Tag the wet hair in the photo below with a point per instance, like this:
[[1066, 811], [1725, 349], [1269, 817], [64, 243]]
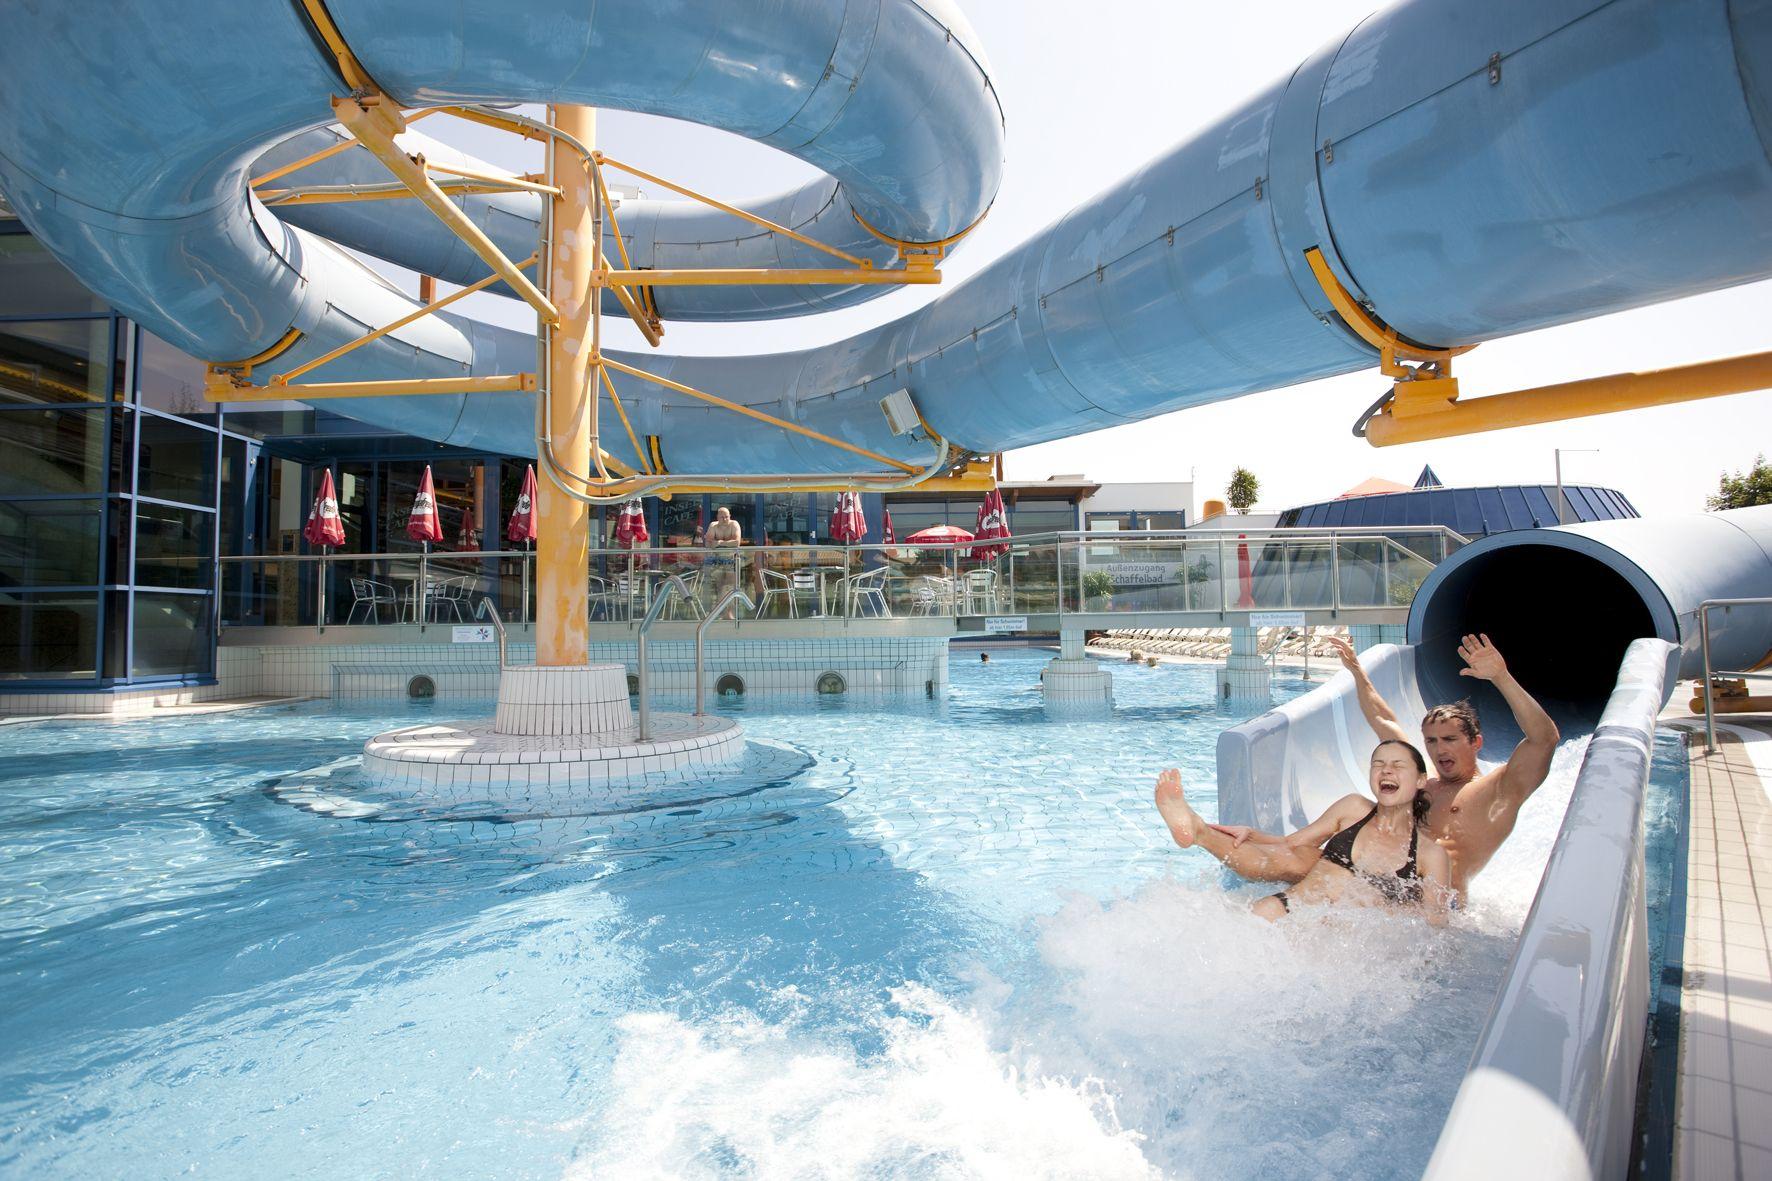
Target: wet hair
[[1420, 805], [1460, 713]]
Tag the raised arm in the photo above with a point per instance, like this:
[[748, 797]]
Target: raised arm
[[1379, 714], [1531, 760]]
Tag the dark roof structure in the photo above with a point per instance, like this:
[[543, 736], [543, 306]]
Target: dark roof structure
[[1474, 512], [1427, 478]]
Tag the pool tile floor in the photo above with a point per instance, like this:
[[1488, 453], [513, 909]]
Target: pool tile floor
[[1724, 1121]]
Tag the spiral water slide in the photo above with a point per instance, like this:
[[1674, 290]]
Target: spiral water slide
[[1464, 171]]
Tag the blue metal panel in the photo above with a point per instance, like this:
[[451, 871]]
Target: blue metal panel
[[1462, 209]]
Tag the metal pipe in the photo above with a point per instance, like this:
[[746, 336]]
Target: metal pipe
[[672, 584], [1710, 718], [485, 609], [320, 614], [736, 594], [1403, 422]]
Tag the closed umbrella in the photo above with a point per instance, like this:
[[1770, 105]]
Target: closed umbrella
[[324, 527], [422, 523], [886, 537], [630, 525], [848, 525], [521, 526], [993, 524]]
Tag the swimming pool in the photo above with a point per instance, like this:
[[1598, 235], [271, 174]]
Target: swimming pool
[[943, 939]]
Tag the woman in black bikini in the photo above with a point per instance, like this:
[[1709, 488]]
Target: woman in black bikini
[[1374, 853]]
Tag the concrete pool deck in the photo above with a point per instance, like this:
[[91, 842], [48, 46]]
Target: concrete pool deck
[[1723, 1120]]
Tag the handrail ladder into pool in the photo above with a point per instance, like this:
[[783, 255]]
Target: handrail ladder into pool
[[484, 608], [735, 595], [1704, 610], [673, 585]]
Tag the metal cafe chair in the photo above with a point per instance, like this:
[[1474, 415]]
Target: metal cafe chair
[[867, 587], [981, 592], [368, 596]]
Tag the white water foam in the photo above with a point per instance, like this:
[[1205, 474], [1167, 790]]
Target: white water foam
[[1165, 1033], [740, 1097]]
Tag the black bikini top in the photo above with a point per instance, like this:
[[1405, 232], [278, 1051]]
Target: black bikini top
[[1402, 886]]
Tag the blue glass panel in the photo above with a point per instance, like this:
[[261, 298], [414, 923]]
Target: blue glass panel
[[1513, 502], [1490, 509]]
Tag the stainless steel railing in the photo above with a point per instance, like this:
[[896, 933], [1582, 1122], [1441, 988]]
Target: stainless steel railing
[[735, 595], [1704, 610], [673, 585]]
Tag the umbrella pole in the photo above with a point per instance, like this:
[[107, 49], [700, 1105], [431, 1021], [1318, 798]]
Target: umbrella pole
[[422, 593], [320, 611], [528, 556]]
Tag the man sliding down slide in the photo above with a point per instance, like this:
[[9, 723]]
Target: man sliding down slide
[[1470, 814]]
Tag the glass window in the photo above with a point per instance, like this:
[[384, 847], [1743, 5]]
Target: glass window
[[55, 361], [910, 516], [120, 535], [49, 543], [353, 505], [680, 520], [175, 461], [49, 637], [33, 283], [1041, 516], [172, 634], [49, 452], [234, 485], [787, 517], [171, 380], [261, 420], [458, 485], [1162, 520], [172, 545]]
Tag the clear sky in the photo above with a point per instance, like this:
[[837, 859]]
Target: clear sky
[[1092, 92]]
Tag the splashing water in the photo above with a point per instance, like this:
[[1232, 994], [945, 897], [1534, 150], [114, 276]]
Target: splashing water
[[938, 940]]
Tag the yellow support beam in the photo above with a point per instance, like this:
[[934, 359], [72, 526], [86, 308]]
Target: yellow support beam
[[621, 411], [738, 408], [403, 321], [735, 211], [375, 121], [715, 276], [278, 198], [499, 180], [1416, 416], [343, 145], [220, 389]]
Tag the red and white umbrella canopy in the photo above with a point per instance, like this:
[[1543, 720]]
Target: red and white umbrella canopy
[[422, 523], [630, 526], [886, 527], [324, 526], [993, 525], [521, 526], [848, 525], [939, 535]]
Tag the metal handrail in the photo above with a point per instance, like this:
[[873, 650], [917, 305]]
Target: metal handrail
[[485, 609], [701, 629], [672, 584], [1704, 609]]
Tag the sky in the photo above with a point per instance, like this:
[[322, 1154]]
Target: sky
[[1091, 94]]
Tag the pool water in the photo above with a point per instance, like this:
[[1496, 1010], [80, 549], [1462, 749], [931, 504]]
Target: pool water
[[941, 939]]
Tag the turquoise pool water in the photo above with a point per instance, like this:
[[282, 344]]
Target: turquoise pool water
[[946, 939]]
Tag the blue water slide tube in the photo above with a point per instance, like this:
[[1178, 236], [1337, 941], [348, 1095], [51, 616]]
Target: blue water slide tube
[[1470, 171]]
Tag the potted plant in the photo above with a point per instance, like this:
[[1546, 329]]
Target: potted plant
[[1098, 584]]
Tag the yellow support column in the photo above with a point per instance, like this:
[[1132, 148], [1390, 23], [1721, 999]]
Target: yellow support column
[[562, 583]]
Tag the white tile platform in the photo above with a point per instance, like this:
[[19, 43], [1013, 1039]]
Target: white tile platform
[[443, 756], [1076, 682]]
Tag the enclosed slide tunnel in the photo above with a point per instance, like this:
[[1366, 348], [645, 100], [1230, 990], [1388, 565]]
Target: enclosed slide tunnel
[[1468, 171]]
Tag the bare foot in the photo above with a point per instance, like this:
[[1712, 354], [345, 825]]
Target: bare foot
[[1184, 824]]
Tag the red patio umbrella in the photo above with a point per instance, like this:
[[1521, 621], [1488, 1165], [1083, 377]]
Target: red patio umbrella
[[993, 524], [630, 525], [886, 537], [1245, 576], [324, 528], [848, 525], [468, 536], [521, 526], [939, 535], [422, 523]]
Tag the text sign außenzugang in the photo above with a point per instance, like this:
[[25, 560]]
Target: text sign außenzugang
[[1005, 624], [1276, 619], [480, 634]]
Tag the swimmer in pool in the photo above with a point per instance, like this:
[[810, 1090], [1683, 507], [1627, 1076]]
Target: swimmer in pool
[[1373, 854], [1471, 811]]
